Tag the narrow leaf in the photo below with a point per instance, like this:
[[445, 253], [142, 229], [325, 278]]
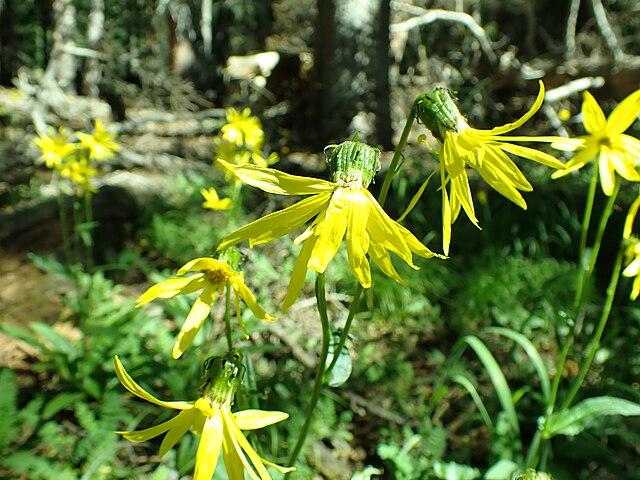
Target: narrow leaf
[[575, 419]]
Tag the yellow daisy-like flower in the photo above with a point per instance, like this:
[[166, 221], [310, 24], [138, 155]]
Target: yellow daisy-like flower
[[343, 208], [463, 146], [55, 147], [606, 141], [632, 253], [213, 201], [243, 129], [220, 430], [213, 277], [100, 143], [80, 172]]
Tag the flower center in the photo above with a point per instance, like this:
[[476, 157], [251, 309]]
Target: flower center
[[217, 276]]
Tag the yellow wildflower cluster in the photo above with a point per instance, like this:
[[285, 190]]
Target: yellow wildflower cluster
[[242, 140], [72, 155]]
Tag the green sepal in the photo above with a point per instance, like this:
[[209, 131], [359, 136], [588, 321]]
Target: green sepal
[[437, 111], [232, 256], [222, 376], [353, 162]]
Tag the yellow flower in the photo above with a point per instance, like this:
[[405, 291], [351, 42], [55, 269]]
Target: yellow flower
[[462, 146], [606, 141], [55, 147], [243, 129], [80, 172], [210, 417], [212, 200], [632, 252], [214, 277], [342, 208], [100, 143]]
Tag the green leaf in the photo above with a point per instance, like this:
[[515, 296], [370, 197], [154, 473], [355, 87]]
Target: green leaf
[[466, 383], [60, 402], [575, 419], [503, 469], [455, 471], [21, 334], [9, 431], [341, 371], [497, 379], [54, 341], [533, 354]]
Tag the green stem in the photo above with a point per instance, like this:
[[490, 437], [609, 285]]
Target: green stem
[[395, 161], [597, 336], [64, 227], [227, 316], [586, 220], [345, 331], [608, 210], [88, 216], [319, 380]]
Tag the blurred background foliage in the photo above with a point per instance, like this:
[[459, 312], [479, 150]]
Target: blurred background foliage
[[166, 70]]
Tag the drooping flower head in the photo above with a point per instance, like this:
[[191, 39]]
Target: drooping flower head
[[342, 208], [100, 143], [213, 277], [605, 141], [462, 147], [210, 417]]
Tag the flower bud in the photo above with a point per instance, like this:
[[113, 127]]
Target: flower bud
[[222, 377], [531, 474], [353, 162], [438, 112]]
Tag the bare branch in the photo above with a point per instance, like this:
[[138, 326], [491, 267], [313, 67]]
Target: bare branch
[[430, 16], [607, 32], [570, 36], [575, 86]]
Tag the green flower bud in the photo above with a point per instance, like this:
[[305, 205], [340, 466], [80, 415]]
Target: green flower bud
[[531, 474], [222, 377], [353, 162], [232, 256], [438, 112]]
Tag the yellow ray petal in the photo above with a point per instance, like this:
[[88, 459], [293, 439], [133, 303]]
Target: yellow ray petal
[[607, 174], [254, 419], [197, 315], [330, 230], [274, 181], [241, 442], [593, 118], [382, 259], [248, 297], [138, 391], [501, 184], [623, 164], [183, 422], [209, 447], [278, 223], [170, 288], [518, 123], [532, 154], [357, 237], [577, 162], [299, 274], [200, 264], [232, 461], [624, 114], [498, 160]]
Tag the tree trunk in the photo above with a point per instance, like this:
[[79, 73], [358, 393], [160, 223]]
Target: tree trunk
[[93, 67], [62, 65], [352, 71], [7, 47]]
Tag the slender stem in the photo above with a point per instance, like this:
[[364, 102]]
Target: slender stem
[[345, 331], [395, 161], [602, 323], [608, 210], [319, 380], [227, 316], [586, 219], [64, 227], [88, 216]]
